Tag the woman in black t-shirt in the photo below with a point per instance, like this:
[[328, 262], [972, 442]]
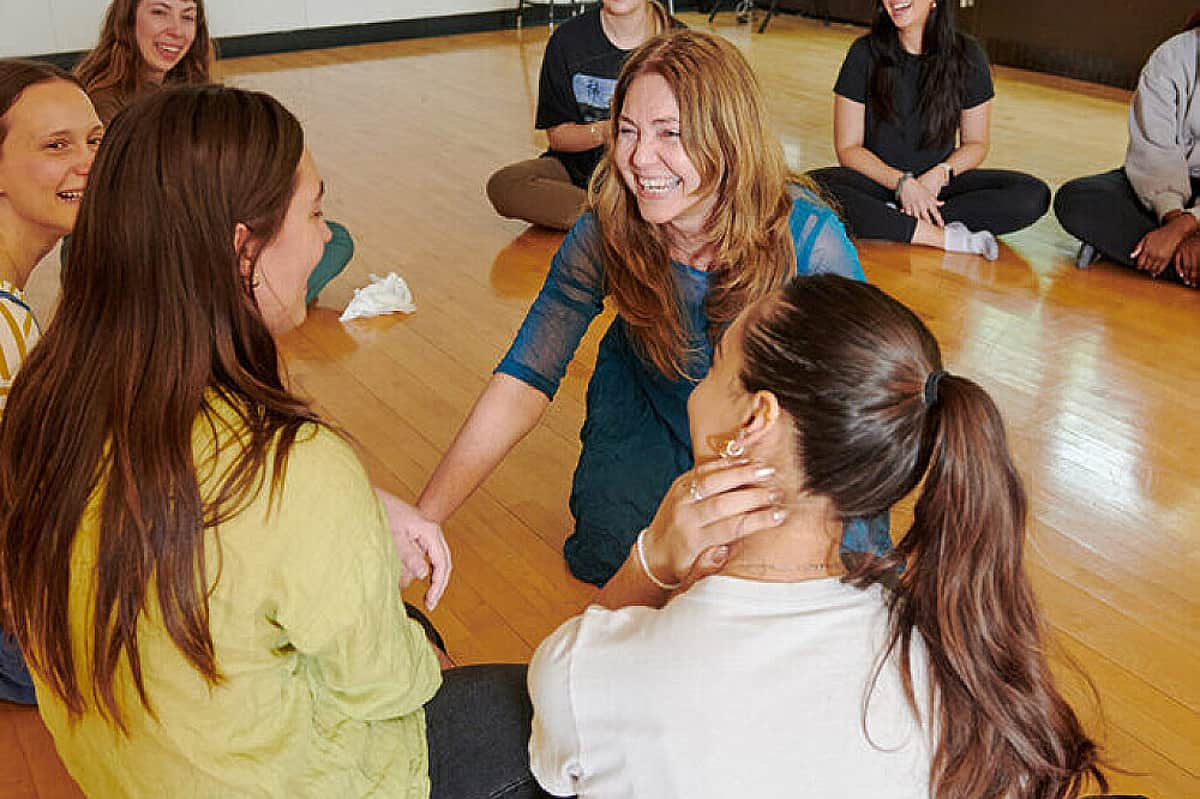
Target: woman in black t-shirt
[[579, 71], [907, 93]]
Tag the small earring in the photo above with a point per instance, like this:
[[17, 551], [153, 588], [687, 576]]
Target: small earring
[[734, 448]]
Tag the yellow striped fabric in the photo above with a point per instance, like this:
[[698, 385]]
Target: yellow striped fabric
[[18, 333]]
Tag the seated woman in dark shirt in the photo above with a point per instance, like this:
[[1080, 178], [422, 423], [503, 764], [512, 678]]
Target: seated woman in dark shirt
[[906, 92], [579, 72]]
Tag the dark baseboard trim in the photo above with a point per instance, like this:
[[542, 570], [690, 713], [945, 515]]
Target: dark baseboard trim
[[366, 33], [373, 32], [1084, 66]]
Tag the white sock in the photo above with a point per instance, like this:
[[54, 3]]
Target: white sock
[[959, 239]]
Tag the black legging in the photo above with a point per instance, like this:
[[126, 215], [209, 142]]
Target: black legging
[[1103, 211], [997, 200], [477, 725]]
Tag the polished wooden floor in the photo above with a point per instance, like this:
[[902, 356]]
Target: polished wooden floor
[[1095, 370]]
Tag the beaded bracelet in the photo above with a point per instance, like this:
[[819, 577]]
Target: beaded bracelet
[[641, 553]]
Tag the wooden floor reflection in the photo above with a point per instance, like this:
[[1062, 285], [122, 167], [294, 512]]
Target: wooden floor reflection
[[1096, 371]]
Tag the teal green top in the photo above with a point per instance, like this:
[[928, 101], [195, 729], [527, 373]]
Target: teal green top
[[324, 676]]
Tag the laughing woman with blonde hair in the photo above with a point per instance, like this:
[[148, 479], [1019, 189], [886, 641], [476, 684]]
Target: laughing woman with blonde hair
[[692, 217]]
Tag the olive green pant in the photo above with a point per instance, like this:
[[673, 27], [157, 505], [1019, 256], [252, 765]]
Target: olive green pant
[[538, 191]]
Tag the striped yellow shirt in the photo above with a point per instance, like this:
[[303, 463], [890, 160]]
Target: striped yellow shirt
[[18, 333]]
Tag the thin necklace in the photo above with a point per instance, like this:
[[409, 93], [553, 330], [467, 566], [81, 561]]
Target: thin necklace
[[814, 570]]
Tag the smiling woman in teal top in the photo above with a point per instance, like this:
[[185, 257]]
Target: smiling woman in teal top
[[692, 217]]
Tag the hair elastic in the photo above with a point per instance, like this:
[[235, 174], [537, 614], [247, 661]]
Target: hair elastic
[[931, 387]]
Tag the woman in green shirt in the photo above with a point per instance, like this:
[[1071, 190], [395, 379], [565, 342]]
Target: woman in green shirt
[[197, 567]]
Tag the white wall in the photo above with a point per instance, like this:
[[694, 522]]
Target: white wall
[[36, 27]]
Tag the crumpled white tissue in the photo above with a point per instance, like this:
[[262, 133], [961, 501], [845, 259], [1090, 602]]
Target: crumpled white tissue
[[382, 296]]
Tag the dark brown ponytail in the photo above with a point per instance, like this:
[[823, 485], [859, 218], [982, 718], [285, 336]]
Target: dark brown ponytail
[[860, 376], [966, 592]]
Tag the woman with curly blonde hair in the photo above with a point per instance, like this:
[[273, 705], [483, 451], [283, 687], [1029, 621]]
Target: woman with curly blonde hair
[[692, 217]]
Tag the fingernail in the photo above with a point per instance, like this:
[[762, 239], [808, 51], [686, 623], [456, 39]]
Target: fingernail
[[764, 471], [720, 554], [776, 496], [778, 515]]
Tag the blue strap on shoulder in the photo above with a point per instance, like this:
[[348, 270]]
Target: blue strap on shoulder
[[15, 300]]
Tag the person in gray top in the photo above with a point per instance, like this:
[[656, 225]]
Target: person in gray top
[[1146, 214]]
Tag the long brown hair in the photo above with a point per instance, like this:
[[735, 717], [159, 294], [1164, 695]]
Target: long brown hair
[[943, 77], [725, 133], [873, 414], [157, 327], [114, 65], [17, 75]]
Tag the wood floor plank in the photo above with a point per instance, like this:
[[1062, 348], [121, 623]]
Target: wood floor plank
[[16, 776], [50, 777]]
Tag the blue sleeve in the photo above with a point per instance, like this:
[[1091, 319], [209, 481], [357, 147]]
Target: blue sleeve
[[570, 299], [822, 246]]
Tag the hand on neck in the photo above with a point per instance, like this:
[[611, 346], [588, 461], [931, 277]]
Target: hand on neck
[[804, 547]]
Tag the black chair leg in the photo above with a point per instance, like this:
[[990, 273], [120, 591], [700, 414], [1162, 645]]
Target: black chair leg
[[767, 18]]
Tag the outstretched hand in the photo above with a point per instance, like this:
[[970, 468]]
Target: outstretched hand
[[421, 545], [705, 511]]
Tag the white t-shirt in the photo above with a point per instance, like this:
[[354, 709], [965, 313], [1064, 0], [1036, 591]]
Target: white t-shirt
[[735, 688]]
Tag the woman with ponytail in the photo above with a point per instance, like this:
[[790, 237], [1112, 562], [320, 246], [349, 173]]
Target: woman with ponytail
[[919, 673], [911, 125]]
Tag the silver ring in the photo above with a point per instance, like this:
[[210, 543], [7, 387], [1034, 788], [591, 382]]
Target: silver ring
[[694, 490]]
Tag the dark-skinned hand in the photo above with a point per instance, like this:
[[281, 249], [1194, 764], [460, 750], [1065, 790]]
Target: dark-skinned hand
[[1157, 249]]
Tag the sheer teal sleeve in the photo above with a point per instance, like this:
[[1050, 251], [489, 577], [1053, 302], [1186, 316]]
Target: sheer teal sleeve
[[570, 299], [822, 246]]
